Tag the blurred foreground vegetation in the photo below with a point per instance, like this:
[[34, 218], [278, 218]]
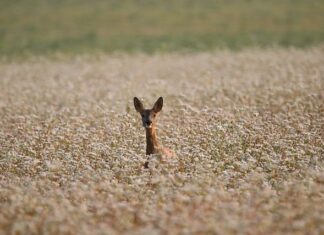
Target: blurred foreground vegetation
[[42, 27], [247, 128]]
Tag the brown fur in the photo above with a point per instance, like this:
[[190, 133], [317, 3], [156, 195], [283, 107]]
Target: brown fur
[[149, 117]]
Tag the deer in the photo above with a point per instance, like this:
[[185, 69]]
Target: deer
[[149, 120]]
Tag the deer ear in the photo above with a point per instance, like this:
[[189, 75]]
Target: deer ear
[[158, 105], [138, 105]]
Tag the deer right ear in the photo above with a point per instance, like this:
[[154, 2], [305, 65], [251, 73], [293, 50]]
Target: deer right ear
[[138, 105], [158, 105]]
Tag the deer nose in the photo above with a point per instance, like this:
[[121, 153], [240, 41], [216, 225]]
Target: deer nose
[[148, 122]]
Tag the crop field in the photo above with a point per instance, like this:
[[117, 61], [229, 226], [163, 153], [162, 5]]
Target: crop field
[[247, 128], [41, 27]]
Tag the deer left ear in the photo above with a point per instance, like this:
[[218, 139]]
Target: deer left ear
[[138, 105], [158, 105]]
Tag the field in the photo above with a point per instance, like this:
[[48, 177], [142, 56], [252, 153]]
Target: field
[[29, 27], [242, 82], [247, 128]]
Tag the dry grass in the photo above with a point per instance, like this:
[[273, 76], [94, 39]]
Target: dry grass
[[247, 128]]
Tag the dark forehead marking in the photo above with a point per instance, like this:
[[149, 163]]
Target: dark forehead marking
[[147, 112]]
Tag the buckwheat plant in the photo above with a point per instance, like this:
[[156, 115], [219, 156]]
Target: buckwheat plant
[[247, 127]]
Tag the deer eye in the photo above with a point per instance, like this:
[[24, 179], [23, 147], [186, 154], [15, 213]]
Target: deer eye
[[154, 115]]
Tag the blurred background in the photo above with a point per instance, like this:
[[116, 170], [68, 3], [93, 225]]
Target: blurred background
[[150, 26]]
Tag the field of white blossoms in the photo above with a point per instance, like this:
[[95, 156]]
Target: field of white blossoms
[[247, 128]]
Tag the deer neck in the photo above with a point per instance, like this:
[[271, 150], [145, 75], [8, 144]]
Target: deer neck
[[152, 145]]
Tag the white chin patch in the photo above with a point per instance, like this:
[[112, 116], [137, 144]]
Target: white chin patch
[[148, 126]]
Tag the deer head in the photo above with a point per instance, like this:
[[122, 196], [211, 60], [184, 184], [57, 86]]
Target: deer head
[[148, 115]]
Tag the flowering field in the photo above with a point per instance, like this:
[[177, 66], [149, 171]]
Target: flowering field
[[247, 128]]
